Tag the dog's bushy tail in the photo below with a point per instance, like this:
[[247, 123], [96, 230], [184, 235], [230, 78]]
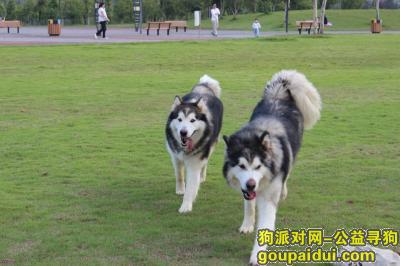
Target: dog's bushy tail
[[212, 84], [290, 83]]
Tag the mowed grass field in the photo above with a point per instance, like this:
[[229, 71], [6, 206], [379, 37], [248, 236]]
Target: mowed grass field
[[85, 178]]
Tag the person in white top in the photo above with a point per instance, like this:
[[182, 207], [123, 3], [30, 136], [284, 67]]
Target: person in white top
[[103, 19], [215, 19], [256, 27]]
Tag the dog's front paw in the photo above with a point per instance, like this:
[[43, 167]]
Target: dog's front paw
[[185, 207], [246, 228]]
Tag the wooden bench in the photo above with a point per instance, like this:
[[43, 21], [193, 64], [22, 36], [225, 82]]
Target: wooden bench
[[10, 24], [307, 25], [158, 26], [178, 24]]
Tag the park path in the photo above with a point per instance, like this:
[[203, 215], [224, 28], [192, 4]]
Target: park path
[[85, 35]]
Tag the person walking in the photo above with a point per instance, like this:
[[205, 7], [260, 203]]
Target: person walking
[[256, 27], [103, 19], [215, 19]]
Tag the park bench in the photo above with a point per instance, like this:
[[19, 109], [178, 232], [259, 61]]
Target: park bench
[[178, 24], [307, 25], [10, 24], [158, 26]]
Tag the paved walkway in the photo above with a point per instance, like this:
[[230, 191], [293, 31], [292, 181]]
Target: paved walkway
[[79, 35]]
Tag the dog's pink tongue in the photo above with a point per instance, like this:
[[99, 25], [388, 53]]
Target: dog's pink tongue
[[252, 195], [189, 144]]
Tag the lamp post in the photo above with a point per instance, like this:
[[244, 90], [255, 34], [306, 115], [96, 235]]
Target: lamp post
[[138, 14], [287, 15]]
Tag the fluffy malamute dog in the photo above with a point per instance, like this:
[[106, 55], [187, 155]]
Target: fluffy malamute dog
[[260, 156], [192, 131]]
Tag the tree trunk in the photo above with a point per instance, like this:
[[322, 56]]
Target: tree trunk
[[378, 17], [315, 14], [322, 22]]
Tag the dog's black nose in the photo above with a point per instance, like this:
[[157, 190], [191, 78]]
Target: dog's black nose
[[183, 133], [251, 185]]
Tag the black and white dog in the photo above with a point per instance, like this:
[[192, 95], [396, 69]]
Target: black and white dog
[[192, 131], [260, 156]]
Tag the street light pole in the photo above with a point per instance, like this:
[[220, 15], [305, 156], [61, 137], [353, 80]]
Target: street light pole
[[287, 16], [138, 14]]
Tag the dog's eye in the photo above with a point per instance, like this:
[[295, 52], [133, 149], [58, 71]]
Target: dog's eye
[[180, 119], [258, 167], [192, 121], [242, 166]]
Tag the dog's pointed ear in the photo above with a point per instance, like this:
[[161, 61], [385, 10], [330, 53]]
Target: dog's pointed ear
[[177, 102], [226, 139], [201, 104], [265, 140]]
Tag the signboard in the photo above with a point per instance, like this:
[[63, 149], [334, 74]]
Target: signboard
[[197, 18]]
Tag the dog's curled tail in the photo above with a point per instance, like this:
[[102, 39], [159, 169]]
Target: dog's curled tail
[[212, 84], [288, 83]]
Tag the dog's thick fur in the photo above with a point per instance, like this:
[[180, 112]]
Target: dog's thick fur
[[260, 156], [192, 131]]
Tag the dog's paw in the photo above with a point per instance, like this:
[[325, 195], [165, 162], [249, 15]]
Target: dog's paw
[[202, 179], [185, 207], [246, 228]]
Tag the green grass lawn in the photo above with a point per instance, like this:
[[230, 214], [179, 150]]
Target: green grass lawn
[[85, 178], [358, 19]]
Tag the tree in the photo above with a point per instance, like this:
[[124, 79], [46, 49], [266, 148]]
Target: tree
[[315, 14], [151, 10], [87, 10], [322, 20], [173, 9], [52, 9], [10, 9], [2, 10], [300, 4], [251, 5], [278, 5], [123, 11], [74, 10], [352, 4], [265, 6], [28, 13], [41, 9], [255, 4], [378, 17], [234, 6]]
